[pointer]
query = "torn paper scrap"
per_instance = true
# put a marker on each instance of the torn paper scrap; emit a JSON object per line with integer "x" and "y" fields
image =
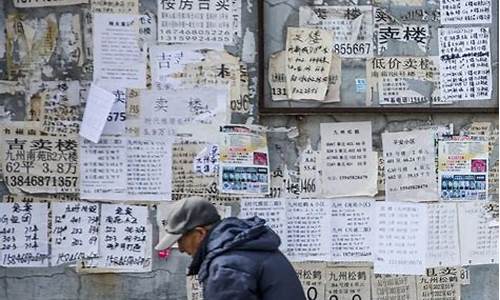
{"x": 99, "y": 104}
{"x": 277, "y": 76}
{"x": 352, "y": 27}
{"x": 334, "y": 80}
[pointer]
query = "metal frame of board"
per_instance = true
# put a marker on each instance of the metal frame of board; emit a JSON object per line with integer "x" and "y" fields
{"x": 267, "y": 110}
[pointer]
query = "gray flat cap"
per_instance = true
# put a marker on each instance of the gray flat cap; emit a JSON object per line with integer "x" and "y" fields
{"x": 187, "y": 214}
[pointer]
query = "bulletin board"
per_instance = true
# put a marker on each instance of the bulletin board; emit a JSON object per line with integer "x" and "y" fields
{"x": 356, "y": 93}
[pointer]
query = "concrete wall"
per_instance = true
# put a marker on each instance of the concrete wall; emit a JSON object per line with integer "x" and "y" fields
{"x": 167, "y": 280}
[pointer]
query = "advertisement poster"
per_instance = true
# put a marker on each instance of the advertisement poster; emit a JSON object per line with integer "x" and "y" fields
{"x": 244, "y": 160}
{"x": 463, "y": 169}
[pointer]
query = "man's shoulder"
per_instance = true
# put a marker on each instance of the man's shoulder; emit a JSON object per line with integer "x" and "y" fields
{"x": 248, "y": 259}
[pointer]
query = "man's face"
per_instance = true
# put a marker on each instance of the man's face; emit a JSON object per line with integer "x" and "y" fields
{"x": 191, "y": 240}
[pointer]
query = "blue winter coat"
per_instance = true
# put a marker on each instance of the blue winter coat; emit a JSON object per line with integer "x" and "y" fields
{"x": 240, "y": 260}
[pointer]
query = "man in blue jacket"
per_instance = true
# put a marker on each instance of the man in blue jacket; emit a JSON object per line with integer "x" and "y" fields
{"x": 234, "y": 259}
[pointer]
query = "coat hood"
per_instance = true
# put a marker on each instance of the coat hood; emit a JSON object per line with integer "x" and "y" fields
{"x": 236, "y": 234}
{"x": 246, "y": 234}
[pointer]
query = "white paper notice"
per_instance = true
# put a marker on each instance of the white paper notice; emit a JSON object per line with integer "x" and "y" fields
{"x": 309, "y": 229}
{"x": 199, "y": 21}
{"x": 465, "y": 12}
{"x": 75, "y": 232}
{"x": 478, "y": 241}
{"x": 23, "y": 231}
{"x": 149, "y": 169}
{"x": 125, "y": 238}
{"x": 99, "y": 104}
{"x": 352, "y": 229}
{"x": 126, "y": 169}
{"x": 410, "y": 166}
{"x": 349, "y": 165}
{"x": 273, "y": 210}
{"x": 465, "y": 64}
{"x": 118, "y": 60}
{"x": 103, "y": 169}
{"x": 401, "y": 238}
{"x": 442, "y": 241}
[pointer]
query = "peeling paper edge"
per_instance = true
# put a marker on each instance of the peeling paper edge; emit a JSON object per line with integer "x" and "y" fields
{"x": 248, "y": 51}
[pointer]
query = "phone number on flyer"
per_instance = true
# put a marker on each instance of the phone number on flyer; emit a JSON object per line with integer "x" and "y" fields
{"x": 352, "y": 49}
{"x": 57, "y": 181}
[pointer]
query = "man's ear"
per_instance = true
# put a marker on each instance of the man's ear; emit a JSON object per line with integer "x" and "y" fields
{"x": 202, "y": 231}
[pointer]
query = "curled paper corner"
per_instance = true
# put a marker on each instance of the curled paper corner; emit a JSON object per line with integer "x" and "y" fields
{"x": 356, "y": 27}
{"x": 310, "y": 15}
{"x": 293, "y": 133}
{"x": 248, "y": 51}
